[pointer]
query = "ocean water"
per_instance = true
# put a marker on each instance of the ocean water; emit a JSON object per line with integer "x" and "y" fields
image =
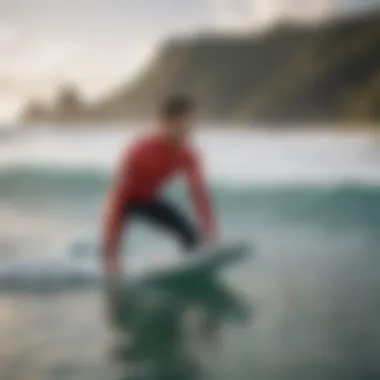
{"x": 305, "y": 306}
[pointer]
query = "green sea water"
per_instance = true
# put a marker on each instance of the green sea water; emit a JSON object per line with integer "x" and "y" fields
{"x": 306, "y": 305}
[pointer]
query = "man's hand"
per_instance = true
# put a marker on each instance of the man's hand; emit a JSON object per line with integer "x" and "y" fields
{"x": 112, "y": 265}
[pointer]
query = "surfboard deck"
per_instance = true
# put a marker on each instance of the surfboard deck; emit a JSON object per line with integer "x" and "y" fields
{"x": 201, "y": 264}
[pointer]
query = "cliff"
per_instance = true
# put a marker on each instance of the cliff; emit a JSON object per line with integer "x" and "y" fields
{"x": 329, "y": 72}
{"x": 68, "y": 107}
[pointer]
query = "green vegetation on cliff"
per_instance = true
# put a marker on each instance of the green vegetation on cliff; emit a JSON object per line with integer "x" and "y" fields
{"x": 329, "y": 72}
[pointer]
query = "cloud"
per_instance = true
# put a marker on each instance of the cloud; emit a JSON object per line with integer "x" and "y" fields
{"x": 255, "y": 14}
{"x": 30, "y": 66}
{"x": 52, "y": 42}
{"x": 34, "y": 65}
{"x": 7, "y": 35}
{"x": 252, "y": 14}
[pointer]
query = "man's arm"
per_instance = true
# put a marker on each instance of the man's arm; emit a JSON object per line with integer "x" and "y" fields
{"x": 114, "y": 221}
{"x": 201, "y": 198}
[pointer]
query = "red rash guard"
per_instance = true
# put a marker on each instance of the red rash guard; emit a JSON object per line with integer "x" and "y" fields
{"x": 144, "y": 169}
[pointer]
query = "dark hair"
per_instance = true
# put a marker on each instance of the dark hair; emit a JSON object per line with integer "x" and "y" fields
{"x": 176, "y": 106}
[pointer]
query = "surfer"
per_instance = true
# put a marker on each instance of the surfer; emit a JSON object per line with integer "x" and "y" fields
{"x": 144, "y": 168}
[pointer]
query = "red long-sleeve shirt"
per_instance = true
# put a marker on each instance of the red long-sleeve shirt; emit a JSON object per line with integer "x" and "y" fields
{"x": 144, "y": 169}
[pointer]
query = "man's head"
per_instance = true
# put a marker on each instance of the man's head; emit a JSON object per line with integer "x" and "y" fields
{"x": 176, "y": 117}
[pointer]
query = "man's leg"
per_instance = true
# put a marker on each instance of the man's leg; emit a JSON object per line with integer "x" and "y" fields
{"x": 163, "y": 214}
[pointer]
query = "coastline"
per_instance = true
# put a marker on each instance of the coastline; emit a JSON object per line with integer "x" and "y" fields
{"x": 315, "y": 128}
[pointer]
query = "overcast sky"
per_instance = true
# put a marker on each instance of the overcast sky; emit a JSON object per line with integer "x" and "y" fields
{"x": 98, "y": 43}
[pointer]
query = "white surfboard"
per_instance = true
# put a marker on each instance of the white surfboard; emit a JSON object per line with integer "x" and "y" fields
{"x": 204, "y": 263}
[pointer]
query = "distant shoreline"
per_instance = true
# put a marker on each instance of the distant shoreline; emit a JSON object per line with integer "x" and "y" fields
{"x": 302, "y": 129}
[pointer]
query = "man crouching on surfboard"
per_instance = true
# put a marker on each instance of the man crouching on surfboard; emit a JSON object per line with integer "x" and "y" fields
{"x": 144, "y": 169}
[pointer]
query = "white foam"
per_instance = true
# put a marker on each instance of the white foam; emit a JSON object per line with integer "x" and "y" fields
{"x": 232, "y": 157}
